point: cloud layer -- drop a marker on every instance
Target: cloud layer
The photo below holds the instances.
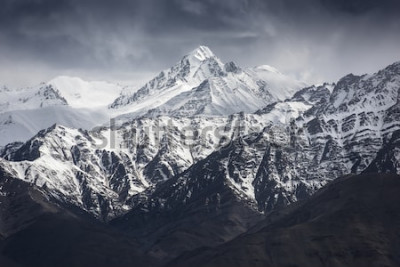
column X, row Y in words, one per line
column 315, row 40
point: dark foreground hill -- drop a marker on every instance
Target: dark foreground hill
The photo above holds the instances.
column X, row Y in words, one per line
column 36, row 232
column 354, row 221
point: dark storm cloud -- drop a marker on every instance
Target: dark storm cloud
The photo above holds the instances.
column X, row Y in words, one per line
column 314, row 39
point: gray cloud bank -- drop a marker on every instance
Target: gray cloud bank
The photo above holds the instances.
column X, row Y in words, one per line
column 315, row 40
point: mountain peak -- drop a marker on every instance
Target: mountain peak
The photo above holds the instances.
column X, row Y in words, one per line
column 201, row 53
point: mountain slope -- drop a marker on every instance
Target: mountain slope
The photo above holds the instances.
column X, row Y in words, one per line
column 20, row 125
column 354, row 221
column 188, row 212
column 37, row 231
column 388, row 157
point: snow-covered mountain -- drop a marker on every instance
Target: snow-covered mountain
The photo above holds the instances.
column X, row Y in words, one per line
column 100, row 171
column 30, row 98
column 281, row 153
column 200, row 84
column 180, row 161
column 62, row 90
column 65, row 100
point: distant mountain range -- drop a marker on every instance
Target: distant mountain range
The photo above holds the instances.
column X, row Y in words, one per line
column 196, row 157
column 200, row 84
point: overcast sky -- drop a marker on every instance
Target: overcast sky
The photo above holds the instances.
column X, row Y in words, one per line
column 130, row 40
